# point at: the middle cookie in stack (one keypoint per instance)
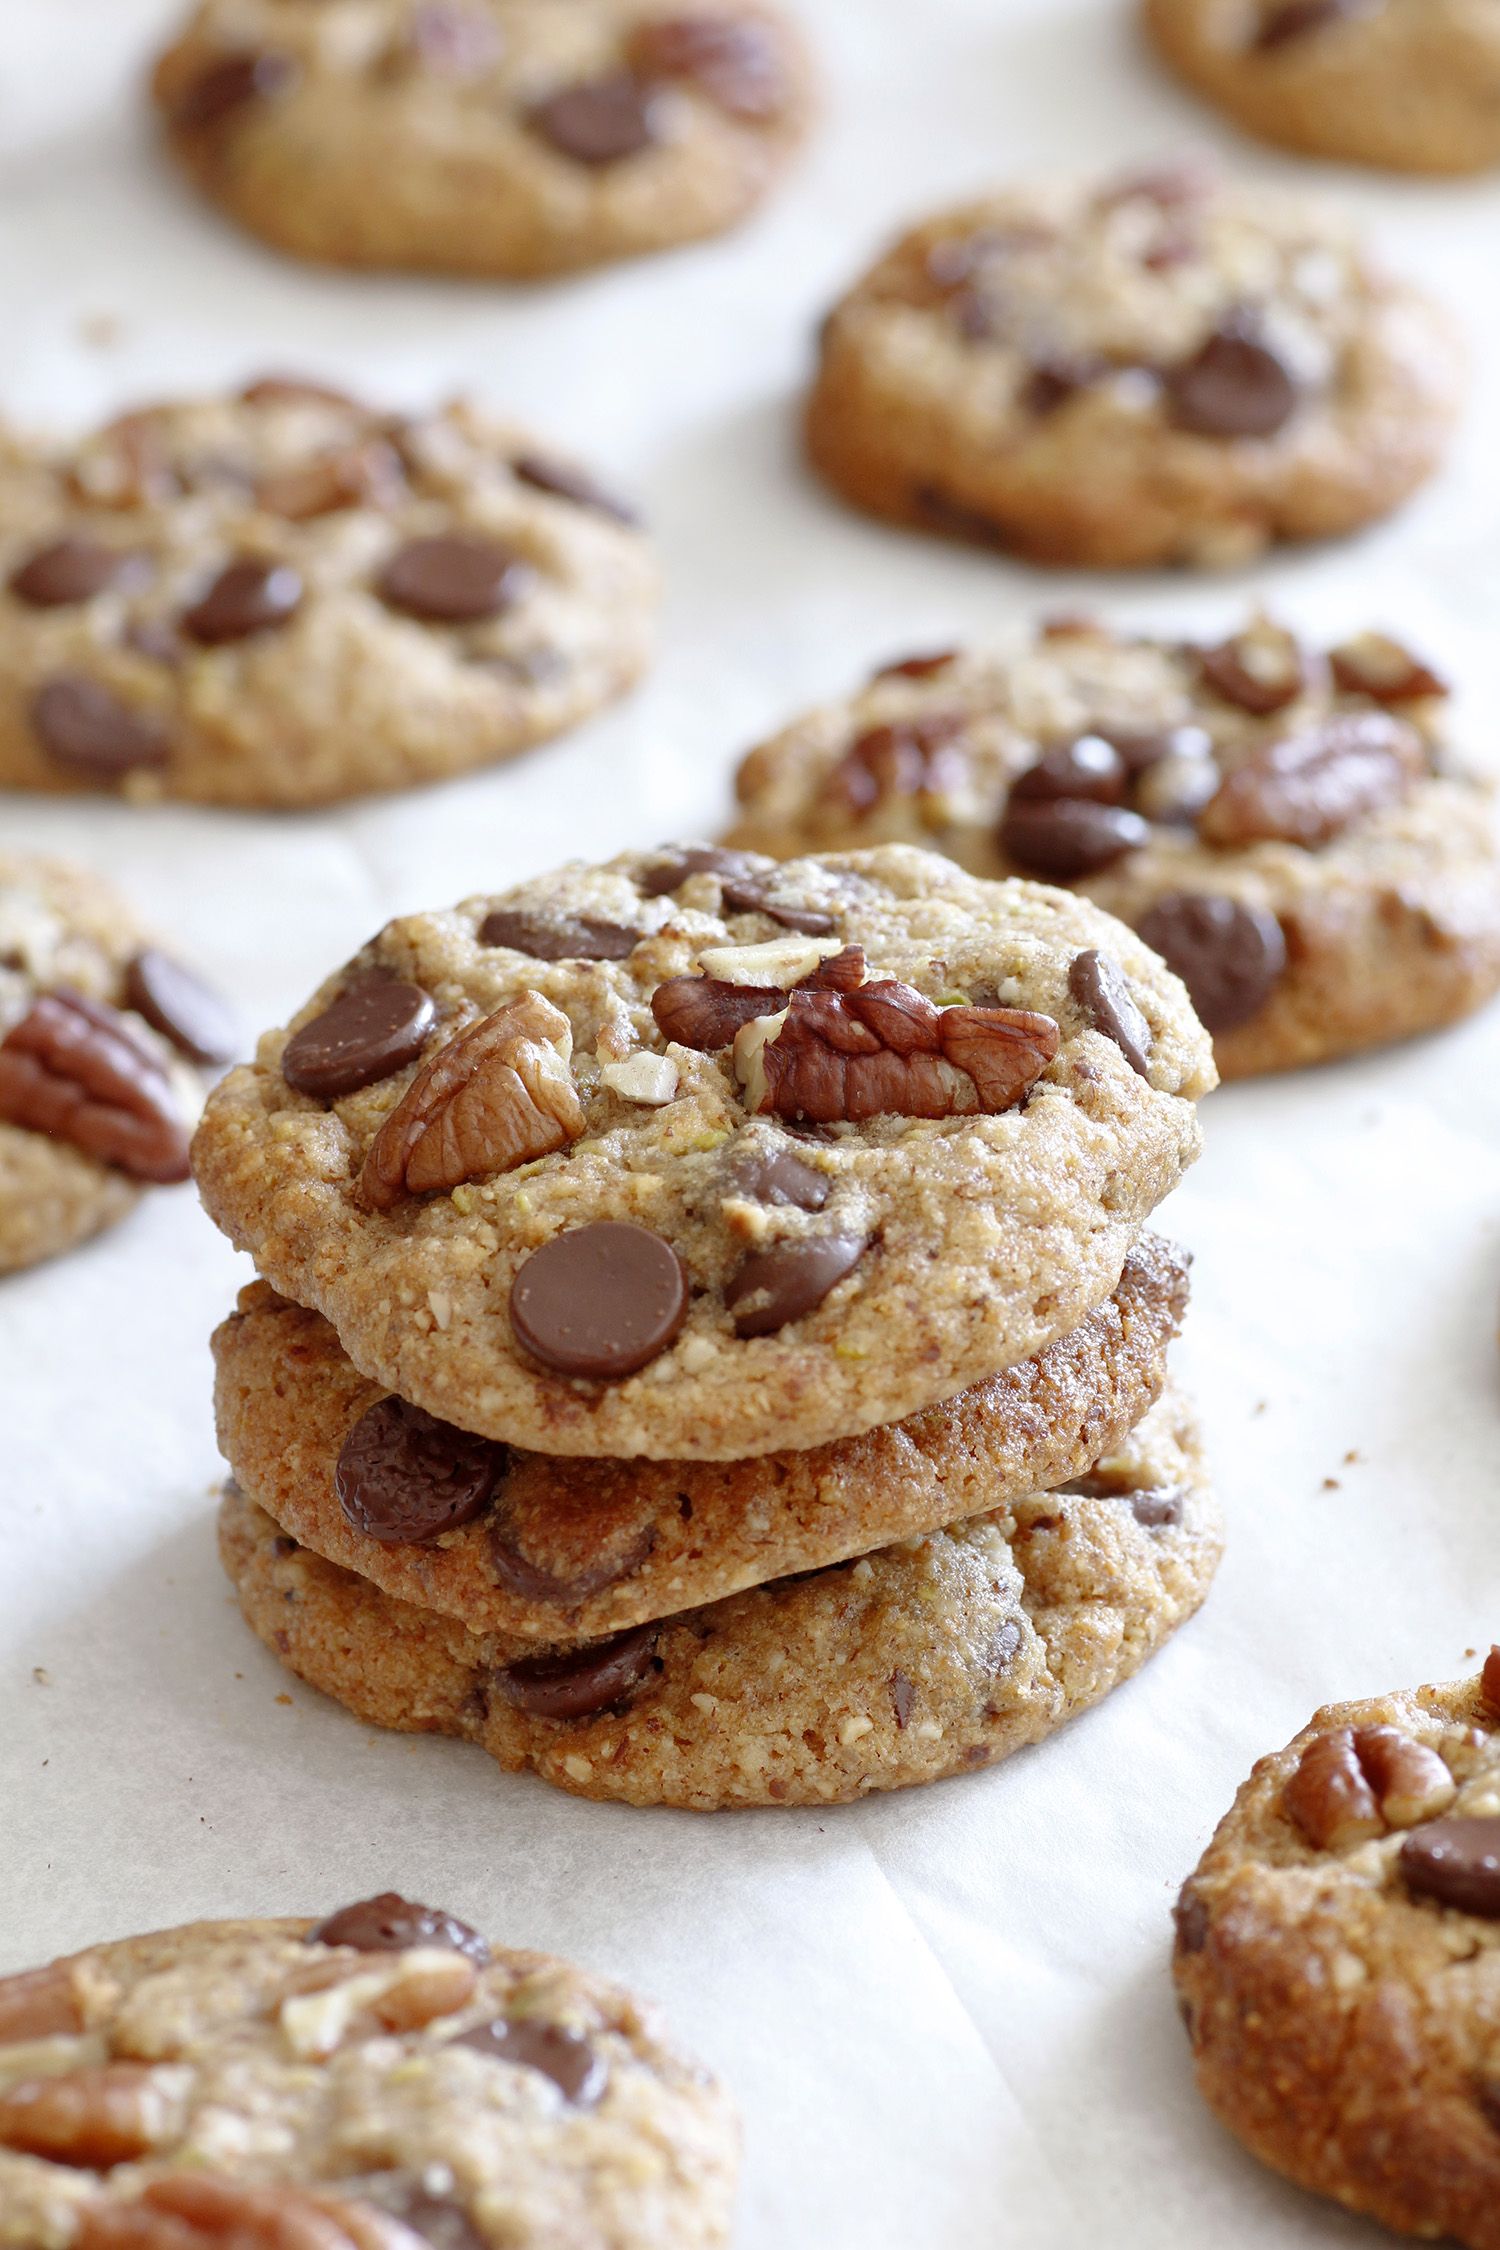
(668, 1230)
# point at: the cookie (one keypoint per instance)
(1411, 85)
(1338, 1960)
(379, 2079)
(484, 137)
(666, 1159)
(1288, 825)
(922, 1660)
(1153, 369)
(285, 598)
(103, 1042)
(536, 1547)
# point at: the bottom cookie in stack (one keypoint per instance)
(801, 1629)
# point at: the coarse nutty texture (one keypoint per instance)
(484, 137)
(930, 1658)
(283, 597)
(1345, 2017)
(1141, 371)
(96, 1101)
(249, 2083)
(577, 1550)
(986, 1236)
(1410, 85)
(1314, 788)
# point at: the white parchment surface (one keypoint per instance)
(946, 2014)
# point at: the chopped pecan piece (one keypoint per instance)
(1372, 664)
(1354, 1783)
(96, 2117)
(1260, 671)
(498, 1095)
(71, 1068)
(910, 758)
(707, 1012)
(1489, 1685)
(38, 2004)
(1309, 787)
(352, 477)
(328, 2006)
(203, 2213)
(885, 1050)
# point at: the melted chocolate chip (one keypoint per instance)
(580, 1682)
(779, 1176)
(1100, 988)
(181, 1007)
(1190, 1917)
(247, 597)
(1457, 1863)
(575, 2067)
(1234, 386)
(566, 483)
(455, 578)
(229, 84)
(1232, 672)
(88, 731)
(749, 895)
(790, 1280)
(1229, 956)
(534, 1582)
(1069, 836)
(69, 571)
(403, 1476)
(1089, 767)
(691, 859)
(600, 120)
(389, 1923)
(376, 1026)
(556, 937)
(600, 1300)
(1052, 382)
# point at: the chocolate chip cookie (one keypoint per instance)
(103, 1042)
(1287, 825)
(484, 137)
(922, 1660)
(1338, 1960)
(697, 1158)
(1152, 369)
(536, 1547)
(379, 2079)
(284, 597)
(1413, 85)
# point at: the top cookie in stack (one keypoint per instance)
(694, 1159)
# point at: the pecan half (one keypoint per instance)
(71, 1068)
(1373, 664)
(352, 477)
(96, 2117)
(38, 2004)
(1489, 1688)
(203, 2213)
(910, 758)
(1354, 1783)
(1260, 670)
(706, 1012)
(885, 1050)
(498, 1095)
(1309, 787)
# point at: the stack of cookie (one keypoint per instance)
(709, 1350)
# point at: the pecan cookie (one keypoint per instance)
(700, 1159)
(1145, 370)
(284, 597)
(103, 1039)
(922, 1660)
(1287, 825)
(501, 137)
(382, 2079)
(537, 1547)
(1409, 84)
(1338, 1960)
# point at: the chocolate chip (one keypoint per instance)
(735, 61)
(389, 1923)
(556, 937)
(1295, 19)
(580, 1682)
(1069, 836)
(600, 1300)
(691, 859)
(779, 1176)
(1190, 1917)
(1052, 382)
(404, 1476)
(154, 639)
(570, 484)
(903, 1698)
(455, 578)
(181, 1007)
(376, 1026)
(1229, 956)
(231, 83)
(748, 895)
(1260, 671)
(534, 1582)
(600, 120)
(1156, 1508)
(919, 667)
(69, 571)
(1089, 768)
(87, 730)
(1100, 988)
(247, 597)
(1233, 387)
(575, 2067)
(789, 1280)
(1457, 1863)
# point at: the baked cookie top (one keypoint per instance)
(379, 2080)
(531, 1547)
(1155, 367)
(1298, 791)
(1338, 1956)
(671, 1158)
(510, 137)
(284, 597)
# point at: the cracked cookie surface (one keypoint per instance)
(1149, 370)
(484, 137)
(925, 1659)
(380, 2080)
(1338, 1960)
(285, 598)
(606, 1237)
(1311, 797)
